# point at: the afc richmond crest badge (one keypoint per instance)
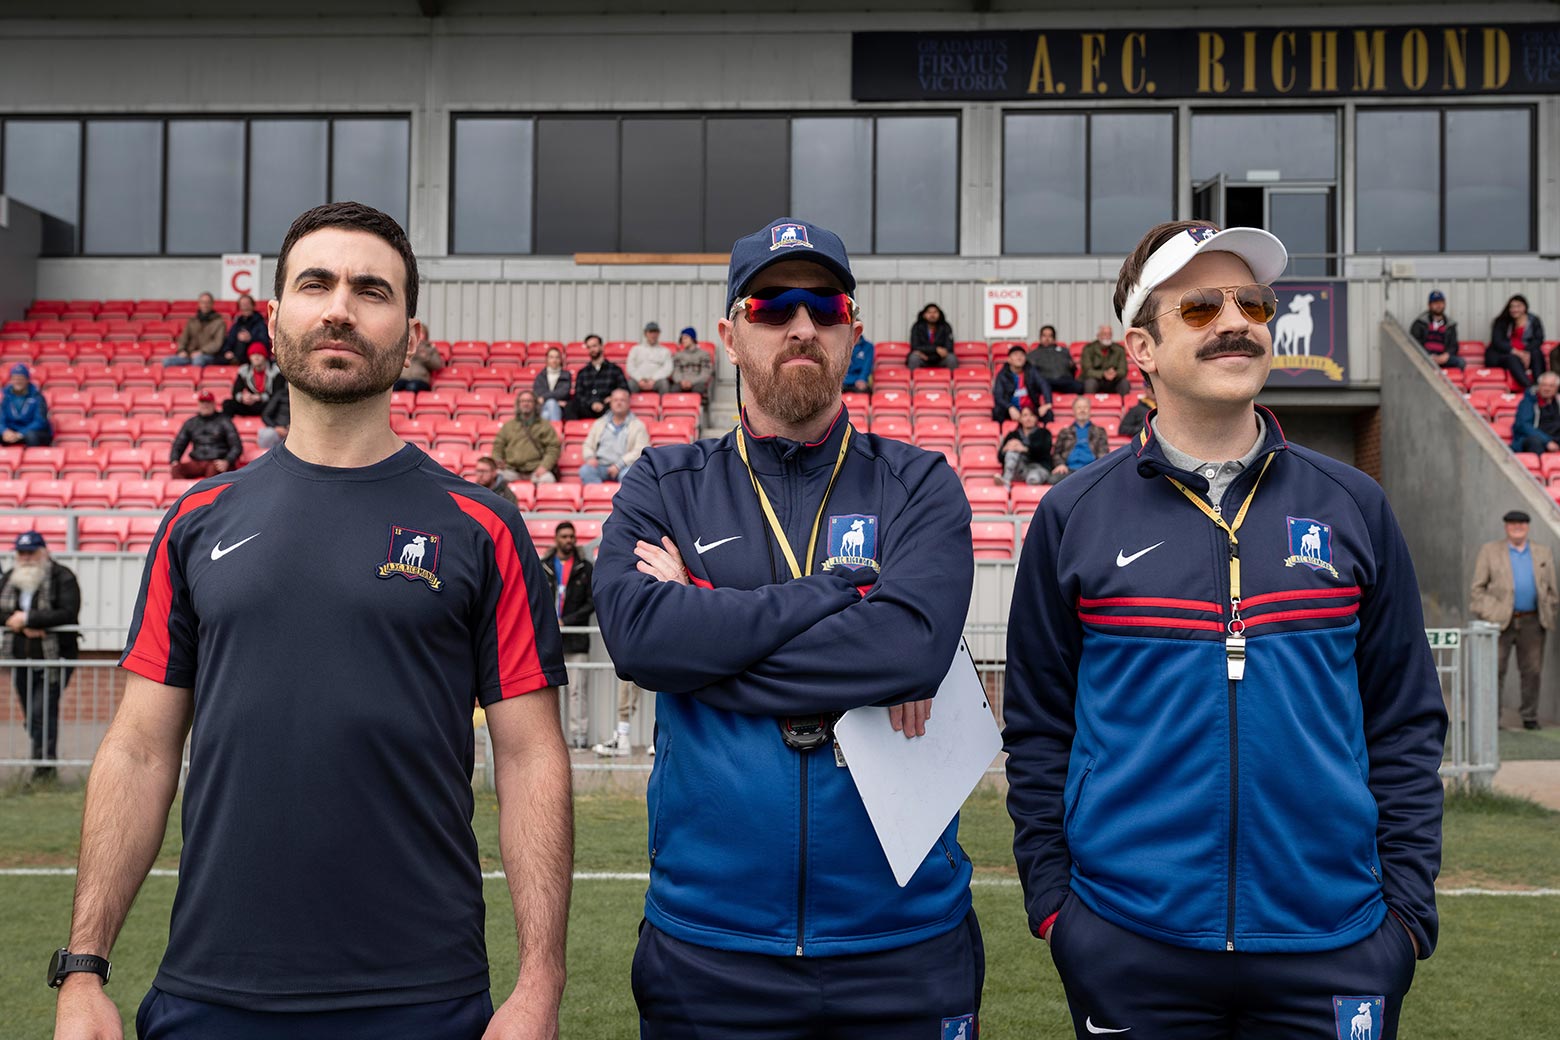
(1310, 544)
(414, 555)
(786, 236)
(1200, 234)
(1359, 1018)
(852, 542)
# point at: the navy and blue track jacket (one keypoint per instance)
(754, 846)
(1285, 812)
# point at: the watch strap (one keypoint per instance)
(70, 963)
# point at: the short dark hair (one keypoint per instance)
(1051, 327)
(1132, 270)
(354, 216)
(1016, 349)
(490, 460)
(591, 336)
(561, 525)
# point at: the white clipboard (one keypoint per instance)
(913, 788)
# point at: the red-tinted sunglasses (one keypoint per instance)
(777, 306)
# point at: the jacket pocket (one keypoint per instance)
(950, 851)
(657, 795)
(1077, 801)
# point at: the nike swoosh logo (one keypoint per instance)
(217, 552)
(1089, 1022)
(1122, 559)
(700, 548)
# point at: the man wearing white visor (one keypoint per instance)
(1223, 720)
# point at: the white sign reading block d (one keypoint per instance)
(240, 275)
(1006, 311)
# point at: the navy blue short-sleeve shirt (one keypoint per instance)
(337, 627)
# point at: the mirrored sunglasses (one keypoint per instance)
(778, 306)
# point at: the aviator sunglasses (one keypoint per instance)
(777, 306)
(1198, 307)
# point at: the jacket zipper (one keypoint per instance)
(1229, 918)
(801, 866)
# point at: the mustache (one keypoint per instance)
(1235, 343)
(345, 336)
(811, 352)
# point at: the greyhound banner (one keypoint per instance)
(1310, 334)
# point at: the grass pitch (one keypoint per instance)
(1499, 955)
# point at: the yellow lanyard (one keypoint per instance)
(1235, 644)
(769, 510)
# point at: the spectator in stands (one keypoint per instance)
(931, 340)
(594, 382)
(248, 327)
(256, 382)
(1080, 443)
(1104, 365)
(568, 572)
(693, 368)
(553, 385)
(200, 341)
(858, 377)
(212, 441)
(488, 476)
(1514, 586)
(1517, 342)
(277, 417)
(649, 363)
(1437, 333)
(1019, 385)
(418, 374)
(24, 413)
(1537, 425)
(1136, 417)
(614, 443)
(1055, 363)
(1026, 450)
(37, 596)
(528, 446)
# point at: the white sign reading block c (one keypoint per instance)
(240, 275)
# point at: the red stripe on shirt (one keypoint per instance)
(1152, 622)
(152, 640)
(700, 582)
(1279, 597)
(1150, 601)
(1313, 614)
(516, 634)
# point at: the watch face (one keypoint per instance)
(55, 960)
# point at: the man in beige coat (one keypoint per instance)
(1514, 587)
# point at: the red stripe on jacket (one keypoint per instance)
(1279, 597)
(1152, 622)
(1313, 614)
(515, 631)
(153, 642)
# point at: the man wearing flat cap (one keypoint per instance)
(37, 596)
(1514, 587)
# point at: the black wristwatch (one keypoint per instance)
(64, 963)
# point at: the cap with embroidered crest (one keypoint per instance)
(28, 541)
(781, 240)
(1263, 253)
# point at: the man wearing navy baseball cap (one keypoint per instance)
(824, 570)
(1223, 722)
(24, 414)
(37, 596)
(1437, 333)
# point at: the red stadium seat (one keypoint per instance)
(993, 539)
(434, 404)
(508, 352)
(525, 493)
(55, 529)
(891, 426)
(889, 352)
(452, 459)
(102, 533)
(39, 462)
(979, 459)
(132, 463)
(455, 433)
(143, 530)
(49, 493)
(569, 461)
(587, 531)
(972, 352)
(987, 498)
(1023, 498)
(561, 497)
(117, 430)
(597, 498)
(89, 493)
(887, 403)
(1529, 461)
(541, 532)
(479, 404)
(175, 488)
(13, 493)
(466, 352)
(83, 461)
(142, 494)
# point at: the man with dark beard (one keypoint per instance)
(37, 597)
(1223, 722)
(329, 884)
(800, 569)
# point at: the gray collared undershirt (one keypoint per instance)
(1218, 474)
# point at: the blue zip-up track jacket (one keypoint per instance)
(754, 846)
(1284, 812)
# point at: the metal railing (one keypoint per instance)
(87, 692)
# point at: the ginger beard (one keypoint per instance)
(333, 378)
(794, 394)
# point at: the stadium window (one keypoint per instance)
(745, 184)
(43, 170)
(1489, 177)
(1277, 146)
(576, 185)
(205, 186)
(662, 184)
(917, 185)
(1131, 177)
(288, 160)
(831, 177)
(1044, 184)
(123, 198)
(371, 163)
(490, 198)
(1397, 181)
